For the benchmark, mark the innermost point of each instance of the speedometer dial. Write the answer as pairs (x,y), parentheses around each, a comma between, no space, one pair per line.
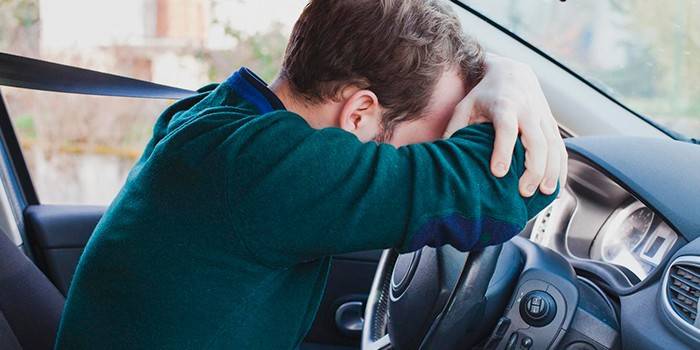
(629,234)
(625,235)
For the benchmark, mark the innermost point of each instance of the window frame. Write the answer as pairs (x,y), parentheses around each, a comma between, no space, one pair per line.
(15,173)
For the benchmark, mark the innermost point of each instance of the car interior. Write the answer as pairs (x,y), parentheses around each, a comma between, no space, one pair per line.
(613,263)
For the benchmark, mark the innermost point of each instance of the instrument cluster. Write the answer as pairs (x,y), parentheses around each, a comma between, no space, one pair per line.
(596,219)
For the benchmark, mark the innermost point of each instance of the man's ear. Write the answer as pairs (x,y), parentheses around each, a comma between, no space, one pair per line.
(361,115)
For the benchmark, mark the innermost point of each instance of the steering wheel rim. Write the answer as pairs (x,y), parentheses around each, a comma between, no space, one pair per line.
(451,327)
(376,310)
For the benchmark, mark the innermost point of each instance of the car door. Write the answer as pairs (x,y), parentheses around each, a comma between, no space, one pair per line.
(54,234)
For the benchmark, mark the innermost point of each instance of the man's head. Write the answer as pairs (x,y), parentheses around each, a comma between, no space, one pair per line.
(385,70)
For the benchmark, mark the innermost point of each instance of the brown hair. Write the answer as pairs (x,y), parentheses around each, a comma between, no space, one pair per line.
(396,48)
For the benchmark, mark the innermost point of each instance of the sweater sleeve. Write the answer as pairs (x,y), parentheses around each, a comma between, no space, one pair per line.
(297,193)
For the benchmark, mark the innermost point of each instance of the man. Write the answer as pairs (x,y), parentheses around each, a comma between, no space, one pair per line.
(222,235)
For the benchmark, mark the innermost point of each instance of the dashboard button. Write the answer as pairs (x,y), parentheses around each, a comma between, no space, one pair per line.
(512,341)
(502,327)
(538,308)
(526,342)
(498,333)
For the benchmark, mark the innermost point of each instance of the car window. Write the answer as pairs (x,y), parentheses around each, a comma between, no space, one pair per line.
(79,149)
(645,54)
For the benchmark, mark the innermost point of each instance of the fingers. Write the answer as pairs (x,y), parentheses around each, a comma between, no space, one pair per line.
(554,150)
(511,97)
(535,159)
(505,125)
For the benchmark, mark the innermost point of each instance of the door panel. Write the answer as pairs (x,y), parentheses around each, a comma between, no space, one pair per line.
(58,234)
(349,281)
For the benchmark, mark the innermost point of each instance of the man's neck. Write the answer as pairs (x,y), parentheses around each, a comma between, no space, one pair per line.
(317,115)
(283,91)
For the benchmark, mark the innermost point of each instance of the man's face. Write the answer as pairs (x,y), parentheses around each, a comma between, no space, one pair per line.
(449,91)
(359,112)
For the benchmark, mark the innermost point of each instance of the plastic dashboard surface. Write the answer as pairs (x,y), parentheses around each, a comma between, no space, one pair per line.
(664,174)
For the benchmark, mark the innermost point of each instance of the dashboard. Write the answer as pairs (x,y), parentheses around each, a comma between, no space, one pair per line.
(595,220)
(628,222)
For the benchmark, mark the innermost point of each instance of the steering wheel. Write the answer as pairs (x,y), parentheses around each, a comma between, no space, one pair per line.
(433,298)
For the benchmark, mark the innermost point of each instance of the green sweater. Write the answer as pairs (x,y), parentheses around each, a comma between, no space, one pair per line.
(222,235)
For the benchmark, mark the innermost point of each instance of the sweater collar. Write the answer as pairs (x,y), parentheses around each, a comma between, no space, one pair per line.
(253,89)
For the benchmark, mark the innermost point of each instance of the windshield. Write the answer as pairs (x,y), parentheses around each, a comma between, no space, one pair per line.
(645,54)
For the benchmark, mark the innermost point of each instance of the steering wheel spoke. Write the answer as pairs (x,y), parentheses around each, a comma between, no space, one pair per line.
(379,344)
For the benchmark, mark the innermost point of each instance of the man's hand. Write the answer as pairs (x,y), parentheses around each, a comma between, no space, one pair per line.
(510,97)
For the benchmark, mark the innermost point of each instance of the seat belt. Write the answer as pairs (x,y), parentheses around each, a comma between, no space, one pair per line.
(30,73)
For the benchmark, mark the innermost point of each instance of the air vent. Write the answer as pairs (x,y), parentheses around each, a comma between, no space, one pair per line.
(681,292)
(684,291)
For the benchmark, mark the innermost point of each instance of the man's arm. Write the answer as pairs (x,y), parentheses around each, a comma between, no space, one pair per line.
(299,193)
(510,97)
